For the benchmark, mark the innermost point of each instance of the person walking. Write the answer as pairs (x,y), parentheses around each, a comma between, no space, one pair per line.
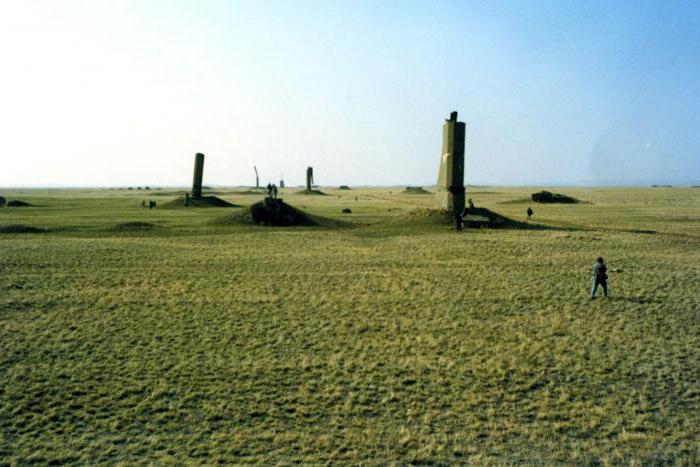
(600,277)
(529,212)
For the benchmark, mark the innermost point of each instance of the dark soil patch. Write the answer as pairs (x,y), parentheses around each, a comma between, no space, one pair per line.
(20,228)
(15,203)
(415,190)
(549,197)
(133,226)
(203,202)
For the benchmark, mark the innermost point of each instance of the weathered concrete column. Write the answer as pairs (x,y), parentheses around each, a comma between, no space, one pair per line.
(450,184)
(198,173)
(309,178)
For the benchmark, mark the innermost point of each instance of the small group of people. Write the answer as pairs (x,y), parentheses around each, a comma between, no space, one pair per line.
(148,204)
(271,190)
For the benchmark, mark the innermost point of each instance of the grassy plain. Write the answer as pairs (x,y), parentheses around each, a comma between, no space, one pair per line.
(395,339)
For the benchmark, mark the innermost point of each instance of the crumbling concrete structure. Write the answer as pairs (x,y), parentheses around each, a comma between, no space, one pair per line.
(198,173)
(450,184)
(309,178)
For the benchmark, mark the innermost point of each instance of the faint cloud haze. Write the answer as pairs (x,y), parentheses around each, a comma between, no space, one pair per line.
(102,93)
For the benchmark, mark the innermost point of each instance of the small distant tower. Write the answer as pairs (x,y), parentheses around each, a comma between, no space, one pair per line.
(257,177)
(309,178)
(450,184)
(198,173)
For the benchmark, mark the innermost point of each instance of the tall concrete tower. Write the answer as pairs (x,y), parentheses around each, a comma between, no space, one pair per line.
(198,173)
(309,178)
(450,184)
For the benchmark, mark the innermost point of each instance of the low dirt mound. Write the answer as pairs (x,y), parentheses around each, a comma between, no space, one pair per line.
(133,226)
(276,213)
(15,203)
(477,217)
(203,202)
(253,191)
(20,228)
(549,197)
(415,190)
(311,192)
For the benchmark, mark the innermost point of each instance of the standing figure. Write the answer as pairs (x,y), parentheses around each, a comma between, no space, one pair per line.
(529,212)
(269,190)
(274,191)
(600,278)
(458,221)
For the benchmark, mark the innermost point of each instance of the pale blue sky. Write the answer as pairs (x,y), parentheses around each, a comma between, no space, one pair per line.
(100,93)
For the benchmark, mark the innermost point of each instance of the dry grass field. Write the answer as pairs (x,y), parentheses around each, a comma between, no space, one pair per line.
(388,338)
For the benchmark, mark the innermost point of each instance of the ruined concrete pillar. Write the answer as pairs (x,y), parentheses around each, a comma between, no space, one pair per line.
(309,178)
(198,173)
(450,184)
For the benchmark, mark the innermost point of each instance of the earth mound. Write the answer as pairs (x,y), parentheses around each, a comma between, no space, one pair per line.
(20,228)
(251,191)
(133,226)
(477,218)
(311,192)
(203,202)
(415,190)
(549,197)
(15,203)
(276,213)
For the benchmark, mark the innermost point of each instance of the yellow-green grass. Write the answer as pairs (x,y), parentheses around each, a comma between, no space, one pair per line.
(391,340)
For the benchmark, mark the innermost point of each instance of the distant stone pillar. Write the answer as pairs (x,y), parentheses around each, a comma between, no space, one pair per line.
(450,184)
(309,178)
(198,172)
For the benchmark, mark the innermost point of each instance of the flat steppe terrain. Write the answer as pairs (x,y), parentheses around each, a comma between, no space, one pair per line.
(387,337)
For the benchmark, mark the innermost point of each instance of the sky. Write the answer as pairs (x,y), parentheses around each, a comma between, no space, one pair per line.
(124,93)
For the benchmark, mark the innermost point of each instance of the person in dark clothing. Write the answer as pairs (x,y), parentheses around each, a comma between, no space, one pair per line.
(458,221)
(600,278)
(529,212)
(274,191)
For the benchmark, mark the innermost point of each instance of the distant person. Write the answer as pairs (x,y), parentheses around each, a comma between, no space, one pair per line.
(143,204)
(600,278)
(274,191)
(269,190)
(529,212)
(458,221)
